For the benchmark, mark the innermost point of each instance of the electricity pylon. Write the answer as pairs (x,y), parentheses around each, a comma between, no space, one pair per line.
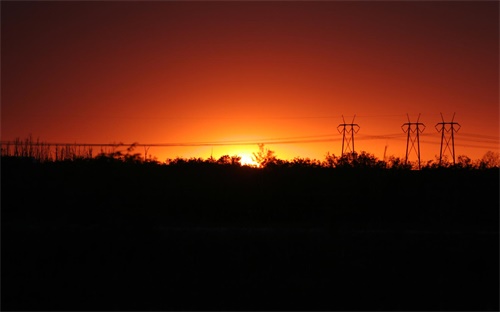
(413,129)
(449,128)
(349,129)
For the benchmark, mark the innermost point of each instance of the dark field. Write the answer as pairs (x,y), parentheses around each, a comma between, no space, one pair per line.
(97,235)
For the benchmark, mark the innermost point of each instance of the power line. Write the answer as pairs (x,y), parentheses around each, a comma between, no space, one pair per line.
(190,144)
(280,140)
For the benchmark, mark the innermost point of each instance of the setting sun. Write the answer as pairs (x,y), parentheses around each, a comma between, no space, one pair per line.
(247,160)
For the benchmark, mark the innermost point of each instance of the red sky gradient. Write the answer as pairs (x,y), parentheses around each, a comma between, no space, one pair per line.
(256,71)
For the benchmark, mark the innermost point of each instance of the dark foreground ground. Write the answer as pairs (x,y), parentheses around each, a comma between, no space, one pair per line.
(79,236)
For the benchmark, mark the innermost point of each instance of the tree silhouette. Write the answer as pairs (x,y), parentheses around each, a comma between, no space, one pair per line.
(490,160)
(229,160)
(264,157)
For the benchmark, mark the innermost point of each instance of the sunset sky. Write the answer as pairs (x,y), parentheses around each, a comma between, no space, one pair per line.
(229,73)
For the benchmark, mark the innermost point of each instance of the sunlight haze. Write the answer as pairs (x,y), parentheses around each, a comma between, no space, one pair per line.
(284,74)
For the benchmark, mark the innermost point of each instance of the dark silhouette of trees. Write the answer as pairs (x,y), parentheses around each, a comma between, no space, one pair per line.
(490,160)
(234,160)
(266,158)
(116,232)
(305,163)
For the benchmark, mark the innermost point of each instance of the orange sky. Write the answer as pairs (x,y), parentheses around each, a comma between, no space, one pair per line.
(183,72)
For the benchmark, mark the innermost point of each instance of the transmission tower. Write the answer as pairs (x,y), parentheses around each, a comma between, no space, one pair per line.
(413,129)
(348,131)
(449,128)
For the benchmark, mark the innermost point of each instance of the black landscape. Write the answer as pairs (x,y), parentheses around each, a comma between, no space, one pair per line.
(123,234)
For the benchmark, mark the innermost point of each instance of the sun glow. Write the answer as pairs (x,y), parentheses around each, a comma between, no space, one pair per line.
(247,160)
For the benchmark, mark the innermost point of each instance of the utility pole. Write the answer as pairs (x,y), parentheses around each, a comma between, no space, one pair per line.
(449,128)
(350,130)
(413,129)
